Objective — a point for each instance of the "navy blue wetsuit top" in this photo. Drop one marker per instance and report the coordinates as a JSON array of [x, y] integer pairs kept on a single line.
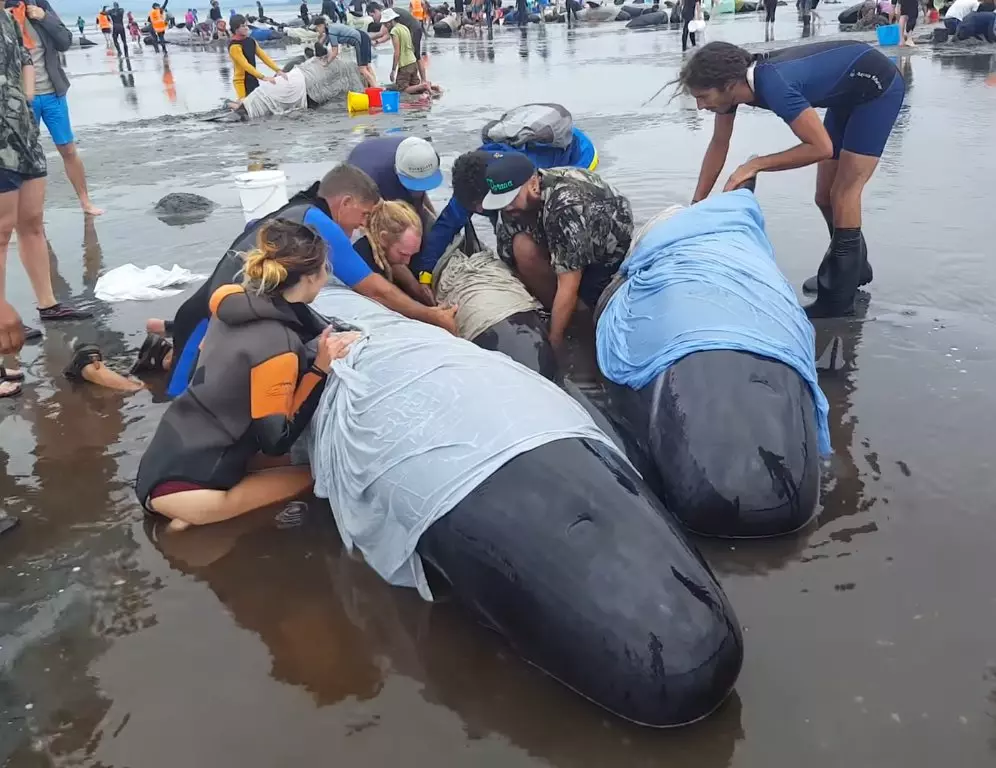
[[838, 74], [376, 158]]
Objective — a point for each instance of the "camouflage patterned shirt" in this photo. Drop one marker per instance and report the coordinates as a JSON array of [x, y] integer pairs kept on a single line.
[[583, 221], [20, 150]]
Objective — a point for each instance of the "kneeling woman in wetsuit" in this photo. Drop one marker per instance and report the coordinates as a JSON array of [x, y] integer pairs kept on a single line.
[[254, 389], [862, 91], [393, 236]]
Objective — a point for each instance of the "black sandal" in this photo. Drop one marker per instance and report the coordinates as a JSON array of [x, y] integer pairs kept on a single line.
[[83, 355], [152, 354], [12, 378]]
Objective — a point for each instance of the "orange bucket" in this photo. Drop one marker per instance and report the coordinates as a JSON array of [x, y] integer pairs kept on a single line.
[[374, 95]]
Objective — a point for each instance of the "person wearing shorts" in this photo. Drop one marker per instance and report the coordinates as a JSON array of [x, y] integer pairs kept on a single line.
[[404, 69], [22, 195], [335, 35], [909, 12], [862, 91], [400, 14], [47, 38]]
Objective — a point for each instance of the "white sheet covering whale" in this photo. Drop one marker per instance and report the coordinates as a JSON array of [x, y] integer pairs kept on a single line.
[[414, 419]]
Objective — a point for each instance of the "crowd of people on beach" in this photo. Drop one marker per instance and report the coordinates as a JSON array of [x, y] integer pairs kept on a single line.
[[238, 349]]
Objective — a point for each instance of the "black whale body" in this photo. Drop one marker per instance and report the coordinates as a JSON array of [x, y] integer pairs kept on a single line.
[[731, 440], [594, 583]]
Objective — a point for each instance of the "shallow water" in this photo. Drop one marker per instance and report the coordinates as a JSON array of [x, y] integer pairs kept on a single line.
[[252, 644]]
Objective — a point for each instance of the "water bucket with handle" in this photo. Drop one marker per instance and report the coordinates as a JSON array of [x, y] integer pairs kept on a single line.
[[390, 101], [261, 192], [357, 102]]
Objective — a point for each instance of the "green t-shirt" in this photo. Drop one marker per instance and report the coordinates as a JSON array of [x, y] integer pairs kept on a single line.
[[406, 54]]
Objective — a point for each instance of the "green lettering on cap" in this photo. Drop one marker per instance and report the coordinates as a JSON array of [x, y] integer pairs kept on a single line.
[[500, 186]]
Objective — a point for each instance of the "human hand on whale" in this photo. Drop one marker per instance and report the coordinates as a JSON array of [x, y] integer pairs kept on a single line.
[[333, 346], [742, 175]]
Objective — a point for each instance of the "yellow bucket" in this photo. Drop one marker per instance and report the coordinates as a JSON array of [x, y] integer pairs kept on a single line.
[[357, 102]]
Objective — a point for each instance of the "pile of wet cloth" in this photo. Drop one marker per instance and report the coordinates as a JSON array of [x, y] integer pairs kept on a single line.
[[481, 286], [313, 80], [705, 278], [389, 477]]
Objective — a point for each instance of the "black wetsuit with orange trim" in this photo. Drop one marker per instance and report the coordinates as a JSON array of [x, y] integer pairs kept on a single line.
[[253, 391]]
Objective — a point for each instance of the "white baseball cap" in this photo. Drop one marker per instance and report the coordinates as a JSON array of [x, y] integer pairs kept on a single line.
[[417, 164], [388, 14]]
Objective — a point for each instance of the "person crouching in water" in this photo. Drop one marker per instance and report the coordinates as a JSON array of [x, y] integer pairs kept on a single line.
[[254, 390], [243, 51], [334, 35], [392, 237], [564, 230], [405, 74]]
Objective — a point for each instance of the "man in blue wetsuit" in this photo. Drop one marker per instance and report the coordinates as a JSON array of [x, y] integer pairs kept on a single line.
[[334, 207], [862, 91]]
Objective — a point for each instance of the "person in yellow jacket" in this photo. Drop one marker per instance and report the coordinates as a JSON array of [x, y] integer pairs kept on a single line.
[[104, 22], [243, 50], [157, 18]]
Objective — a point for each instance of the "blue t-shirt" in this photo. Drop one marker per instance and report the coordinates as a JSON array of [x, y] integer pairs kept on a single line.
[[840, 73], [344, 262]]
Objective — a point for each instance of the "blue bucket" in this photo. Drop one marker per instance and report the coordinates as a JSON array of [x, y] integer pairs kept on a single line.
[[390, 101], [888, 35]]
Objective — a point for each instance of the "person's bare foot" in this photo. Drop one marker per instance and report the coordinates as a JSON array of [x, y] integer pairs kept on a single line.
[[89, 209], [155, 325]]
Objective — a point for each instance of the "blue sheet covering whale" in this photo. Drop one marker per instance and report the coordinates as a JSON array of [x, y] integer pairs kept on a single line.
[[706, 279]]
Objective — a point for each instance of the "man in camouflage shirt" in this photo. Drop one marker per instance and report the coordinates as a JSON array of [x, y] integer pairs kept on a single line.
[[564, 230]]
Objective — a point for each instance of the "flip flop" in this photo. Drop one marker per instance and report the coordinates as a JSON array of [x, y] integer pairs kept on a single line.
[[83, 355], [13, 378], [12, 393], [152, 354]]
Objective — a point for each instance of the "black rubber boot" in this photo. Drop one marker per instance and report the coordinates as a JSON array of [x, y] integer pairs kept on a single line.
[[839, 275], [867, 275]]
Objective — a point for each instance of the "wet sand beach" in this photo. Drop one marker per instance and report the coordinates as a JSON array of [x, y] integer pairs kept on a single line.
[[869, 635]]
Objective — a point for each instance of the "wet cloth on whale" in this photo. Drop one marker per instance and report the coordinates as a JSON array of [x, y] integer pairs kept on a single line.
[[481, 286], [412, 420], [283, 95], [706, 279]]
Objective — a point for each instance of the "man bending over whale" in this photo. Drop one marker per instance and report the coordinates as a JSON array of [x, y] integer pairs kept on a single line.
[[334, 207], [564, 230]]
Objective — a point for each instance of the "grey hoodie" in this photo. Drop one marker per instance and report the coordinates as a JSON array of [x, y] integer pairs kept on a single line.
[[55, 39]]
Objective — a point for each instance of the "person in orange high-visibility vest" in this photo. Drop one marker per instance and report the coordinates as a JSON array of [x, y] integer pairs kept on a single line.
[[104, 22], [418, 10], [157, 18]]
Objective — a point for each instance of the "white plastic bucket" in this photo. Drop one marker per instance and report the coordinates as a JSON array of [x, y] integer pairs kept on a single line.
[[261, 192]]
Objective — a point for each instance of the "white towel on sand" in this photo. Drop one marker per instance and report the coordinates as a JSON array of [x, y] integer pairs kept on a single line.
[[131, 283]]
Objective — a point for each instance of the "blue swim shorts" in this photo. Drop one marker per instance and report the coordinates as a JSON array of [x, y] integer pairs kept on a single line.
[[865, 128], [53, 110]]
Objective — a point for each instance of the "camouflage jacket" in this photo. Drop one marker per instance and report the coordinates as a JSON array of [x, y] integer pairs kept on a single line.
[[582, 221], [20, 150]]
